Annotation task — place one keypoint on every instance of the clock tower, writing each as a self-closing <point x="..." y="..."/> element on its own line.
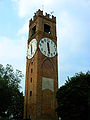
<point x="41" y="82"/>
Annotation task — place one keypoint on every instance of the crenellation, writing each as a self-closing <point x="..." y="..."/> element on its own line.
<point x="47" y="15"/>
<point x="40" y="13"/>
<point x="53" y="18"/>
<point x="34" y="17"/>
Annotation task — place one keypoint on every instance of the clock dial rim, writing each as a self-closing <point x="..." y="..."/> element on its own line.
<point x="33" y="42"/>
<point x="52" y="47"/>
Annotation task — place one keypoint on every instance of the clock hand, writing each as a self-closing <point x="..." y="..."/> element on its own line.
<point x="31" y="49"/>
<point x="48" y="47"/>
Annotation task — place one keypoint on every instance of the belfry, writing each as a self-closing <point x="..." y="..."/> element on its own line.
<point x="41" y="82"/>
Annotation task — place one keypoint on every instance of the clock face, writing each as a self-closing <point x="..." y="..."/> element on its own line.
<point x="47" y="47"/>
<point x="32" y="48"/>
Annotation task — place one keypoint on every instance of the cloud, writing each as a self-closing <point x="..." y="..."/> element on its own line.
<point x="13" y="52"/>
<point x="71" y="34"/>
<point x="26" y="6"/>
<point x="73" y="43"/>
<point x="24" y="30"/>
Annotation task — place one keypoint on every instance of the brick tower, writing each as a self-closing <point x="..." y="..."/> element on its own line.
<point x="41" y="69"/>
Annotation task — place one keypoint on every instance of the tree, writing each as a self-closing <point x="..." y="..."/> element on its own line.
<point x="11" y="99"/>
<point x="73" y="98"/>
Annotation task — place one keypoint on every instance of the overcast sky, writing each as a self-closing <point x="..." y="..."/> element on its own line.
<point x="73" y="33"/>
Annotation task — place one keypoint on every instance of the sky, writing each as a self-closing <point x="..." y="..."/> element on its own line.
<point x="73" y="33"/>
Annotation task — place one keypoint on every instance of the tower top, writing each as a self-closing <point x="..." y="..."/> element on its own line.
<point x="39" y="13"/>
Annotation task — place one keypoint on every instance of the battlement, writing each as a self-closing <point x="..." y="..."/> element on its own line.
<point x="39" y="13"/>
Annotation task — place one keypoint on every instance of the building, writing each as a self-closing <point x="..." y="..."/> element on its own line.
<point x="41" y="68"/>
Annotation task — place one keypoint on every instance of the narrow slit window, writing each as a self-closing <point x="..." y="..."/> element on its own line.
<point x="31" y="70"/>
<point x="31" y="62"/>
<point x="31" y="79"/>
<point x="30" y="93"/>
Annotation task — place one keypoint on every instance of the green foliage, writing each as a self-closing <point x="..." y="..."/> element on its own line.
<point x="74" y="98"/>
<point x="11" y="99"/>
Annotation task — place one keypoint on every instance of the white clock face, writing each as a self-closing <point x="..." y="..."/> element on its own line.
<point x="32" y="48"/>
<point x="47" y="47"/>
